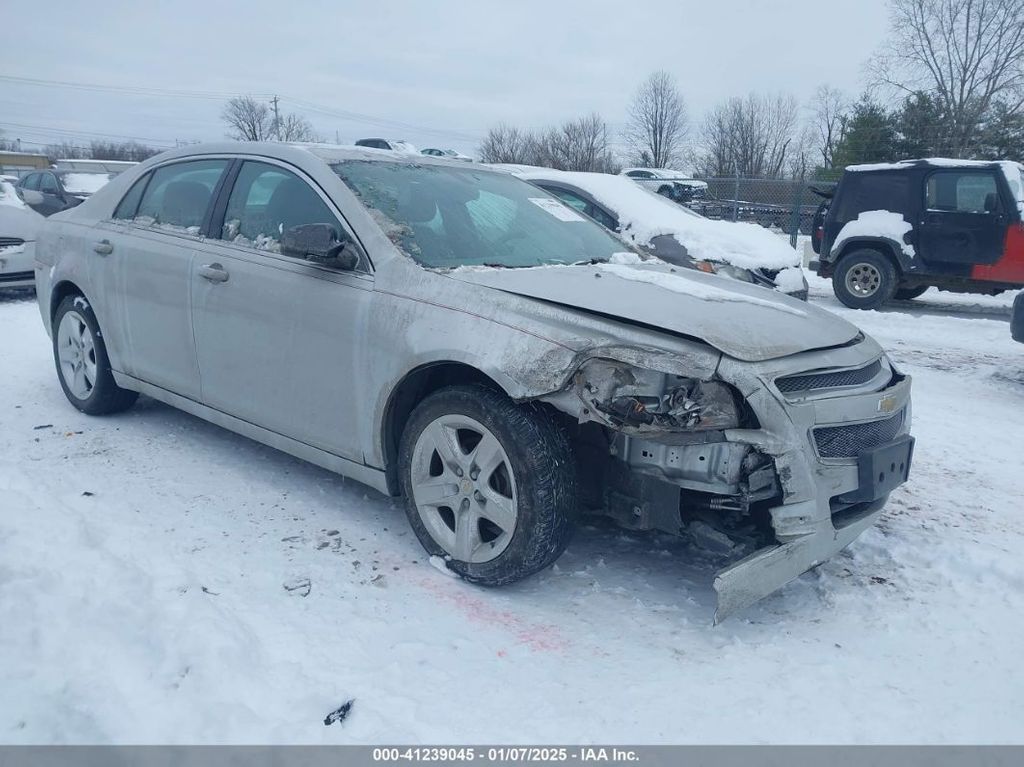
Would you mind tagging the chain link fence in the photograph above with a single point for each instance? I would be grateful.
(786, 206)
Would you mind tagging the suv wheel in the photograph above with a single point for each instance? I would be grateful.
(864, 279)
(488, 484)
(82, 363)
(908, 294)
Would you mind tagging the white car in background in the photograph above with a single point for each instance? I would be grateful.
(448, 154)
(675, 234)
(19, 225)
(677, 185)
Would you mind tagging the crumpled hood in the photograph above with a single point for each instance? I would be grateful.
(743, 321)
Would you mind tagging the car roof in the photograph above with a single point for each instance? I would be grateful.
(297, 152)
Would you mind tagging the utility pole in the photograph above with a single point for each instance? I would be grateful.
(277, 118)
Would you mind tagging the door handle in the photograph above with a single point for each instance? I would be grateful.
(103, 247)
(213, 273)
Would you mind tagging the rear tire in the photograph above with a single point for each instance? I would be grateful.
(489, 485)
(864, 279)
(83, 367)
(909, 294)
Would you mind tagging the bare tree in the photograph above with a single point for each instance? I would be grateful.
(657, 124)
(505, 143)
(579, 145)
(248, 119)
(295, 128)
(830, 113)
(749, 136)
(968, 52)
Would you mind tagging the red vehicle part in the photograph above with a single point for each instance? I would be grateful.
(1010, 267)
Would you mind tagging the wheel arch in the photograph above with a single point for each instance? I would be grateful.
(412, 389)
(59, 292)
(883, 245)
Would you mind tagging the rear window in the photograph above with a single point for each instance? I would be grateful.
(862, 192)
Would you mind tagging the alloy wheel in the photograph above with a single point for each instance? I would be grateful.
(76, 351)
(464, 488)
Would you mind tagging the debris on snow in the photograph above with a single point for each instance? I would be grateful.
(339, 714)
(300, 586)
(441, 564)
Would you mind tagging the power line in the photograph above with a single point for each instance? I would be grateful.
(375, 120)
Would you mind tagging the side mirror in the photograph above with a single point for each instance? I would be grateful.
(319, 243)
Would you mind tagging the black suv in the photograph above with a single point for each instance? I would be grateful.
(894, 230)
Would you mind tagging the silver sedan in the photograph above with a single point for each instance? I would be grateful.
(454, 335)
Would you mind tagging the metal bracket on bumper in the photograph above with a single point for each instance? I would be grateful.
(769, 569)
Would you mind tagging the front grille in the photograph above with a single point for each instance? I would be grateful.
(831, 379)
(7, 242)
(849, 440)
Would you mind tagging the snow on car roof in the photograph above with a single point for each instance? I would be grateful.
(644, 215)
(935, 162)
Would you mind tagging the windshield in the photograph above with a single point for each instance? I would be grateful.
(446, 217)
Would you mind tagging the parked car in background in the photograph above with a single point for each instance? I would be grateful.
(742, 251)
(51, 191)
(384, 143)
(457, 336)
(893, 230)
(449, 154)
(19, 226)
(1017, 319)
(673, 184)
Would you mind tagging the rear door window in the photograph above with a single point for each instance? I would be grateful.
(962, 192)
(179, 195)
(32, 182)
(265, 201)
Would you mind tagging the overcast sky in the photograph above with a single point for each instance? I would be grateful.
(436, 74)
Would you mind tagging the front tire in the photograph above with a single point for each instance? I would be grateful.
(489, 485)
(82, 363)
(864, 279)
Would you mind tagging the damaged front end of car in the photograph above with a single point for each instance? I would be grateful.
(728, 459)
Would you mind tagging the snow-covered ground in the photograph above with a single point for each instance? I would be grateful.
(153, 574)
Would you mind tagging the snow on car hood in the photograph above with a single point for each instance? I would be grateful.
(744, 321)
(85, 183)
(644, 215)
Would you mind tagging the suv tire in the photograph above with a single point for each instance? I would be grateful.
(83, 367)
(864, 279)
(489, 485)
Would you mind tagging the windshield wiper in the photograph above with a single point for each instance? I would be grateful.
(589, 262)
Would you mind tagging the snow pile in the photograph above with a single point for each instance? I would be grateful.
(644, 215)
(85, 183)
(876, 223)
(693, 288)
(9, 196)
(790, 280)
